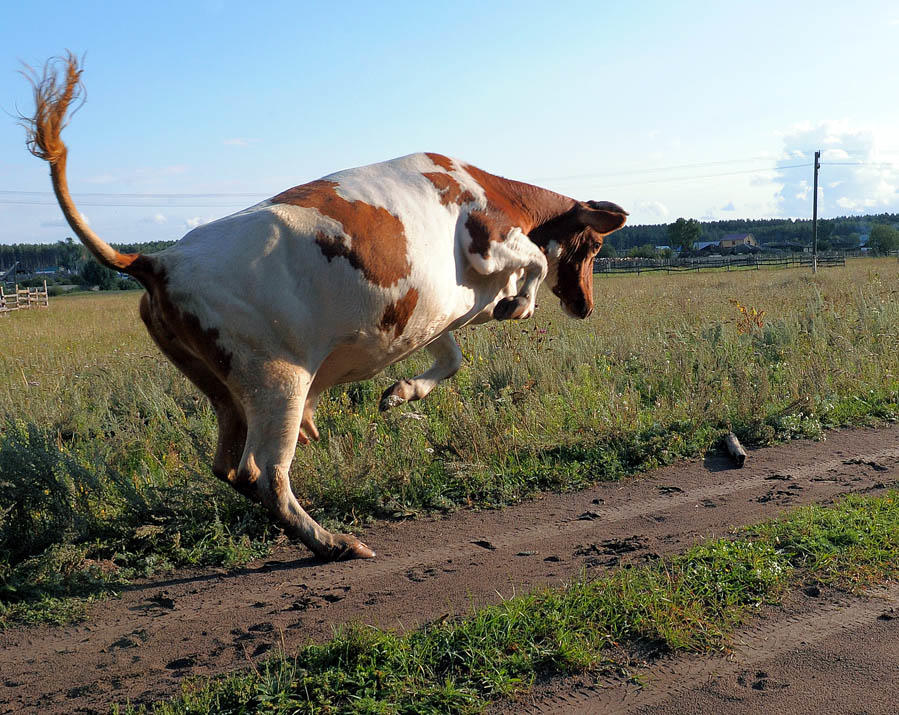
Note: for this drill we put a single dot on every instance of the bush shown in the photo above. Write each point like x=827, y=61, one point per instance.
x=104, y=278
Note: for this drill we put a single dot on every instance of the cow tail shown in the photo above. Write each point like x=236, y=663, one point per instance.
x=53, y=95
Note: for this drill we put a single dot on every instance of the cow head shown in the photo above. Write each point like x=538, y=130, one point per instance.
x=571, y=242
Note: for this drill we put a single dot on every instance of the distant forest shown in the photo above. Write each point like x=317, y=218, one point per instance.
x=844, y=233
x=69, y=255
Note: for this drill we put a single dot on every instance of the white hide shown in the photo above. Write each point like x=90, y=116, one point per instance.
x=271, y=293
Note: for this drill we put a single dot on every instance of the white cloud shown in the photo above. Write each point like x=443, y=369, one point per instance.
x=62, y=223
x=157, y=218
x=650, y=212
x=853, y=176
x=195, y=221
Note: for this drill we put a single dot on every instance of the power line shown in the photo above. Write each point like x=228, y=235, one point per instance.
x=140, y=196
x=880, y=164
x=675, y=167
x=96, y=204
x=682, y=179
x=239, y=199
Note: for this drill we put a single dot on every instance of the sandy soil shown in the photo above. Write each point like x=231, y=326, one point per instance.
x=821, y=653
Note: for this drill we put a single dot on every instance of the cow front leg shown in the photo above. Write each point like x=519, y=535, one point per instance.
x=511, y=255
x=533, y=269
x=447, y=361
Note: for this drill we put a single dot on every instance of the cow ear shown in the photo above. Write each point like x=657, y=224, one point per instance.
x=603, y=216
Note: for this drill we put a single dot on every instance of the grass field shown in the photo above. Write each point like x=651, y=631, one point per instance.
x=104, y=447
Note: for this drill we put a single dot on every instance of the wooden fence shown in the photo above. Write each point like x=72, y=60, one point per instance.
x=21, y=298
x=736, y=263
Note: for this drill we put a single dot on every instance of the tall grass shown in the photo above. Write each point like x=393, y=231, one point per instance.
x=105, y=447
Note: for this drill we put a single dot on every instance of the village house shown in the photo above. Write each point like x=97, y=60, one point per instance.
x=731, y=240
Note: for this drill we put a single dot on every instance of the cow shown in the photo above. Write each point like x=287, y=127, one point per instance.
x=330, y=282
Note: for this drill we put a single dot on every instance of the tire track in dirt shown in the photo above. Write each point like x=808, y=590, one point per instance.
x=142, y=645
x=760, y=662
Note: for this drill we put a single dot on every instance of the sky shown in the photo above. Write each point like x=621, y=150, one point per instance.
x=705, y=110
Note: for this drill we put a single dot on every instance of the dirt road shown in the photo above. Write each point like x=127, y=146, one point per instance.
x=142, y=645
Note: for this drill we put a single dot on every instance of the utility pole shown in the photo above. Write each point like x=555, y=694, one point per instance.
x=815, y=215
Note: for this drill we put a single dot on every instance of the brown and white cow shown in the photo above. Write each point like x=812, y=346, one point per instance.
x=332, y=281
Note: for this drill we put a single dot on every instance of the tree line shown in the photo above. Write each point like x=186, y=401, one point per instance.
x=843, y=233
x=69, y=255
x=69, y=262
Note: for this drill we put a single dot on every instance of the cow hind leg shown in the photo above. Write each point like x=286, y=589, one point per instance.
x=232, y=425
x=273, y=427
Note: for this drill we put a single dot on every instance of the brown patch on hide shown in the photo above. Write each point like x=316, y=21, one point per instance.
x=170, y=325
x=397, y=314
x=513, y=201
x=377, y=238
x=444, y=162
x=484, y=227
x=206, y=365
x=449, y=189
x=510, y=204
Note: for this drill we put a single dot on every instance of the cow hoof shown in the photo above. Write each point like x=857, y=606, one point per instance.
x=389, y=401
x=349, y=547
x=511, y=308
x=397, y=394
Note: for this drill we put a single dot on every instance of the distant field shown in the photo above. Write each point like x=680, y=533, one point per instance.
x=105, y=447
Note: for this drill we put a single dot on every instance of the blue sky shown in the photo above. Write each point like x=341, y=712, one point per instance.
x=697, y=109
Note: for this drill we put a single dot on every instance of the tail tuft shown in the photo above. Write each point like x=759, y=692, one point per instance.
x=53, y=95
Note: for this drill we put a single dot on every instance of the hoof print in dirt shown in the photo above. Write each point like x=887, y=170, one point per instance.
x=261, y=649
x=866, y=463
x=309, y=600
x=484, y=544
x=417, y=575
x=182, y=663
x=240, y=635
x=552, y=559
x=261, y=628
x=162, y=600
x=887, y=615
x=812, y=591
x=779, y=496
x=759, y=681
x=612, y=547
x=123, y=642
x=666, y=489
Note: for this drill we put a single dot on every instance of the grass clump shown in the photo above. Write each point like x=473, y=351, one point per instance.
x=687, y=602
x=105, y=447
